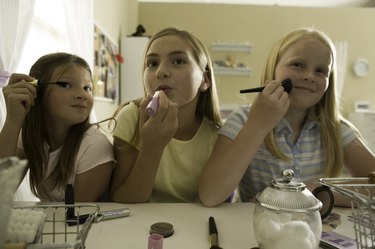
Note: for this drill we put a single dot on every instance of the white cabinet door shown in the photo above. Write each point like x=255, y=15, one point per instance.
x=132, y=50
x=365, y=123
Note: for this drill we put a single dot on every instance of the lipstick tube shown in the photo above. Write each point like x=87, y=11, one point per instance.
x=152, y=107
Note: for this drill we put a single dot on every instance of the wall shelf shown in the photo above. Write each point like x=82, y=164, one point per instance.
x=231, y=46
x=239, y=71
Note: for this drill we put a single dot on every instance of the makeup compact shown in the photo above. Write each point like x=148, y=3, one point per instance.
x=162, y=228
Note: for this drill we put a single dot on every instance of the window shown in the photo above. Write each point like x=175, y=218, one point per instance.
x=48, y=33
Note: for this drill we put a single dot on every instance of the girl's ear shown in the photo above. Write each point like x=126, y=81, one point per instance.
x=205, y=83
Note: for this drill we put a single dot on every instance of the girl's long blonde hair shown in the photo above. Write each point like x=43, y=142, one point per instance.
x=327, y=110
x=208, y=103
x=34, y=136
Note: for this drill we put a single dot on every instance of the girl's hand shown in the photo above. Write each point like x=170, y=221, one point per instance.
x=160, y=128
x=269, y=106
x=19, y=97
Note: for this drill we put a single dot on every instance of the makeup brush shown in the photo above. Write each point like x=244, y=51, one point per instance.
x=287, y=84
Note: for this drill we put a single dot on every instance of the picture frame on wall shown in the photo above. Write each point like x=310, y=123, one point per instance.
x=106, y=82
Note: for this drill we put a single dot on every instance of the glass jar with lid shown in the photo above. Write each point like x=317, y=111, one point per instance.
x=286, y=215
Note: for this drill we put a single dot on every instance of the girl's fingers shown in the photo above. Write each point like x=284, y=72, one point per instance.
x=20, y=88
x=167, y=110
x=21, y=81
x=170, y=115
x=163, y=107
x=20, y=98
x=273, y=87
x=17, y=77
x=143, y=116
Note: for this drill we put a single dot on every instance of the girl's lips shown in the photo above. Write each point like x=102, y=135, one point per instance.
x=166, y=90
x=79, y=106
x=163, y=88
x=306, y=89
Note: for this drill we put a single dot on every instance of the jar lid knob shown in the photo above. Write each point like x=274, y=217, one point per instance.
x=287, y=175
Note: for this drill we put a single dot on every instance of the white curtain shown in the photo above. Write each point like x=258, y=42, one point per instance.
x=80, y=24
x=15, y=20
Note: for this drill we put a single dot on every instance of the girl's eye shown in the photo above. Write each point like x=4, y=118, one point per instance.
x=151, y=63
x=178, y=61
x=297, y=64
x=87, y=88
x=63, y=84
x=322, y=71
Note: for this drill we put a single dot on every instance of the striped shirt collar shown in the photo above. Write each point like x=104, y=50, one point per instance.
x=310, y=123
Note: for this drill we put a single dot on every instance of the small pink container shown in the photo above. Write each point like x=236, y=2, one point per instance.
x=155, y=241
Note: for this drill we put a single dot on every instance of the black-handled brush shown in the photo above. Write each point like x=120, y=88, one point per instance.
x=287, y=84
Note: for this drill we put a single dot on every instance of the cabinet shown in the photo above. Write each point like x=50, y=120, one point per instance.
x=365, y=123
x=132, y=49
x=227, y=67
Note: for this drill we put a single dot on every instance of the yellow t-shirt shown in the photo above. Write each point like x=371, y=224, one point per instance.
x=181, y=162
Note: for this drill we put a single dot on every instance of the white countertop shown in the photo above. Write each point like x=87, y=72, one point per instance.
x=190, y=221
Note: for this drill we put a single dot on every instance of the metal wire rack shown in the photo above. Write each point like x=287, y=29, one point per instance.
x=362, y=195
x=60, y=231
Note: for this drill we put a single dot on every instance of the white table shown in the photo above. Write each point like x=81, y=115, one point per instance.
x=190, y=221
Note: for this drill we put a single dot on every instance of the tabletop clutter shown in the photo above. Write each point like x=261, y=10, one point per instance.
x=286, y=215
x=23, y=224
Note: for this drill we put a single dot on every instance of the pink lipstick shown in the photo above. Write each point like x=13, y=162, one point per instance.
x=153, y=105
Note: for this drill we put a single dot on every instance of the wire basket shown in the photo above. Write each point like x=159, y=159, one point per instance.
x=362, y=195
x=58, y=231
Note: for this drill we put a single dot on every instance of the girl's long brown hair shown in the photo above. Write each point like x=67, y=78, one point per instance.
x=34, y=136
